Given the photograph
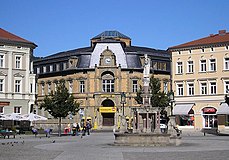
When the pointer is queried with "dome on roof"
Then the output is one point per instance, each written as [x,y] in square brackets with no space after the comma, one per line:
[112,37]
[111,34]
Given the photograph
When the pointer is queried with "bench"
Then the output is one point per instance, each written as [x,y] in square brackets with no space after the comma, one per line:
[213,131]
[8,134]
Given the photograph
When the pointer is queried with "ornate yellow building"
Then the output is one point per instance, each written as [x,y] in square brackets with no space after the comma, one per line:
[97,75]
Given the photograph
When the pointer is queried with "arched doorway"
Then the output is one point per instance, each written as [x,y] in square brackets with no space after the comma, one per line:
[210,117]
[107,111]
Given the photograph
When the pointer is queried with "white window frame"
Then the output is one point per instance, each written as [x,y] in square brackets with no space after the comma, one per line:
[108,85]
[213,87]
[190,67]
[38,70]
[180,89]
[44,69]
[51,68]
[179,67]
[17,85]
[135,85]
[190,89]
[2,61]
[203,66]
[49,88]
[212,64]
[82,86]
[70,84]
[18,62]
[226,63]
[2,85]
[203,88]
[42,89]
[165,87]
[226,86]
[17,109]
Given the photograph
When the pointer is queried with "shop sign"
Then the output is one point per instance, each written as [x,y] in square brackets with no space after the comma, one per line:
[4,103]
[209,110]
[107,109]
[107,96]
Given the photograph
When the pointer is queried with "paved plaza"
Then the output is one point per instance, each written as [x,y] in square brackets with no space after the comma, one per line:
[99,146]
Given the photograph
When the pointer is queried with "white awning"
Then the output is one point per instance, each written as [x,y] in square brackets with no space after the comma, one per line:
[223,109]
[182,109]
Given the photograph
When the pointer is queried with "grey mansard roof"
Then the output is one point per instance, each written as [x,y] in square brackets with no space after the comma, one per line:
[127,56]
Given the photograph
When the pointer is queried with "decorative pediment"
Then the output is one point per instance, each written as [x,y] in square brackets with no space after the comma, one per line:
[3,74]
[18,75]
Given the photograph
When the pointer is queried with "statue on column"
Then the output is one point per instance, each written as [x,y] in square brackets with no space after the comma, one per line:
[146,73]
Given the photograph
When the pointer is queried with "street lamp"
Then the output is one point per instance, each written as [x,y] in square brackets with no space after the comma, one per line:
[123,101]
[171,99]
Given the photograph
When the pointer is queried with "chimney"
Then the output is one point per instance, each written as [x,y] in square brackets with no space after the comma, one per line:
[211,35]
[222,32]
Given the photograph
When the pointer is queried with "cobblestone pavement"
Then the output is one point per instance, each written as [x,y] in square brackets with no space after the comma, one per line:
[99,146]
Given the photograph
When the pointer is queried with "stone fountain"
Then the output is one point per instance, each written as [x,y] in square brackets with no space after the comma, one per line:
[146,122]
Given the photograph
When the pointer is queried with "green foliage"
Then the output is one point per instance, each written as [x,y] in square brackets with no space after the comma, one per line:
[60,103]
[159,98]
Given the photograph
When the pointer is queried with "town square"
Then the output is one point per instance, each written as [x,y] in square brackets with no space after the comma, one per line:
[111,80]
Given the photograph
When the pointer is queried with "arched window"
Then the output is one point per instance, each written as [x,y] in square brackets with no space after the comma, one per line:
[107,82]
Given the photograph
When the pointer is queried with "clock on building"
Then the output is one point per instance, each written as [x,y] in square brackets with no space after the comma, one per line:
[107,60]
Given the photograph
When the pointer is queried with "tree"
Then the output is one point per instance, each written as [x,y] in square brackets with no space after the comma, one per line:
[60,104]
[159,98]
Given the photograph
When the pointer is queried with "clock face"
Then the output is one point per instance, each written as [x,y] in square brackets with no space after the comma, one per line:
[107,60]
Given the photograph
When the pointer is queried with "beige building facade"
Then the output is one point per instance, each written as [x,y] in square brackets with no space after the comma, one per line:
[98,75]
[17,80]
[200,76]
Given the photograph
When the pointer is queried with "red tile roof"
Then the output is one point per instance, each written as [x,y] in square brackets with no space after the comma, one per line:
[7,36]
[222,37]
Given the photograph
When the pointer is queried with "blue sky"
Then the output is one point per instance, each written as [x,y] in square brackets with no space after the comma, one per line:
[60,25]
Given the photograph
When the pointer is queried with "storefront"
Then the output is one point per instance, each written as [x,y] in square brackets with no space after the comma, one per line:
[108,115]
[209,117]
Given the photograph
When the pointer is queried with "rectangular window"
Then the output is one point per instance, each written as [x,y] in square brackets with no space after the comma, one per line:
[82,86]
[203,66]
[226,86]
[213,87]
[1,61]
[179,68]
[17,109]
[212,65]
[135,85]
[108,85]
[226,47]
[202,50]
[51,68]
[1,110]
[165,87]
[70,86]
[226,63]
[44,69]
[180,90]
[42,89]
[18,62]
[49,88]
[38,70]
[203,88]
[212,49]
[190,67]
[190,89]
[1,85]
[31,88]
[17,86]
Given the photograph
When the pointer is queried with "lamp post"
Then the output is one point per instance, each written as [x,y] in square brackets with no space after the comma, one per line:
[123,101]
[171,99]
[123,121]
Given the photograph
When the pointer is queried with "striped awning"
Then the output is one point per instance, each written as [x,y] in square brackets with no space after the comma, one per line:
[223,109]
[182,109]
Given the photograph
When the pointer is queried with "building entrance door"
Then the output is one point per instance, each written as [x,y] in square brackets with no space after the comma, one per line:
[108,119]
[210,118]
